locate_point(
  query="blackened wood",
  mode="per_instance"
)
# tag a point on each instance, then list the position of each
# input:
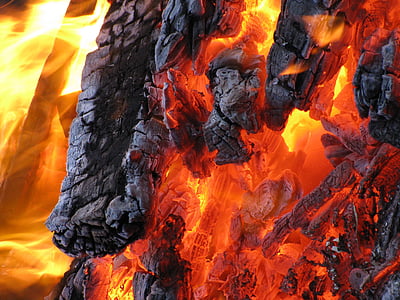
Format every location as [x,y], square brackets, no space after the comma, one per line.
[165,277]
[71,286]
[377,85]
[188,26]
[185,112]
[85,221]
[317,63]
[342,176]
[236,81]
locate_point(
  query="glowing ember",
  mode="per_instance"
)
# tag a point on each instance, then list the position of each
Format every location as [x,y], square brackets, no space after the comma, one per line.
[204,200]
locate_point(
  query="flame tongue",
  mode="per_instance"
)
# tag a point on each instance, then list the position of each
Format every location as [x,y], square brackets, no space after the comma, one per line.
[38,44]
[211,229]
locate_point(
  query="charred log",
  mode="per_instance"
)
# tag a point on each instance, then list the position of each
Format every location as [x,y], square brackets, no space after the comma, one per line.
[185,113]
[300,59]
[377,85]
[235,81]
[189,25]
[113,89]
[166,274]
[341,177]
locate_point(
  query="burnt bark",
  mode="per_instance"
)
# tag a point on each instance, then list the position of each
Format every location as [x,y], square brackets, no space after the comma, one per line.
[134,114]
[235,81]
[84,220]
[166,273]
[377,85]
[188,27]
[301,60]
[185,112]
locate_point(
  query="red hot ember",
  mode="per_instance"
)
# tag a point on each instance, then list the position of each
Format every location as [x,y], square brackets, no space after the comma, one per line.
[180,184]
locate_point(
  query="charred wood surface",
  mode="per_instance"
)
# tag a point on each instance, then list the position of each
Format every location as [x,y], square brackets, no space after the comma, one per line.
[166,274]
[185,112]
[235,81]
[301,60]
[137,116]
[377,85]
[188,26]
[113,90]
[359,198]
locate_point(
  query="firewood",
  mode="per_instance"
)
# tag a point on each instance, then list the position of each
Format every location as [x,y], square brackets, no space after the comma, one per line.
[377,85]
[235,81]
[187,27]
[86,218]
[300,60]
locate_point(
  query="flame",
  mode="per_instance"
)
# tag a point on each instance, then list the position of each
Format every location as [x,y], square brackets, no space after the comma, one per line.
[259,21]
[22,63]
[341,81]
[324,29]
[29,260]
[294,68]
[80,31]
[299,128]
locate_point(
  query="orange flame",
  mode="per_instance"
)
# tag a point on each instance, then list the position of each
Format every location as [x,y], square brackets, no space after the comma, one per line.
[324,29]
[222,192]
[28,258]
[294,68]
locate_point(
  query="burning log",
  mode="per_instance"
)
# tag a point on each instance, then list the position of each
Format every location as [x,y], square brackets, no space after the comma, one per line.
[185,112]
[235,81]
[311,44]
[378,87]
[235,230]
[85,220]
[166,273]
[188,26]
[351,195]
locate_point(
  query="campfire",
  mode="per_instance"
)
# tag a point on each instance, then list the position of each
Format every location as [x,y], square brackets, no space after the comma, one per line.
[219,150]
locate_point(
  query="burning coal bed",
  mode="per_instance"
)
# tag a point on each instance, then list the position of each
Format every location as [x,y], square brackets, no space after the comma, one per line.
[181,184]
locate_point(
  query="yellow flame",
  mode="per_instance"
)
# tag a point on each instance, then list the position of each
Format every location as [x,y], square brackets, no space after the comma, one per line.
[81,30]
[27,256]
[24,48]
[31,256]
[300,125]
[341,81]
[295,68]
[324,29]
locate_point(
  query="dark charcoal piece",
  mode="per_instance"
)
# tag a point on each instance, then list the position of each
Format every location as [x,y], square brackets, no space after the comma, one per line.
[387,241]
[87,278]
[377,85]
[307,208]
[187,26]
[301,60]
[390,290]
[184,114]
[235,81]
[146,162]
[166,272]
[113,90]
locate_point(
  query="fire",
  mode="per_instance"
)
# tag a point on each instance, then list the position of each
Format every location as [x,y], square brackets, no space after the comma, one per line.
[226,204]
[230,203]
[28,258]
[299,129]
[324,29]
[80,31]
